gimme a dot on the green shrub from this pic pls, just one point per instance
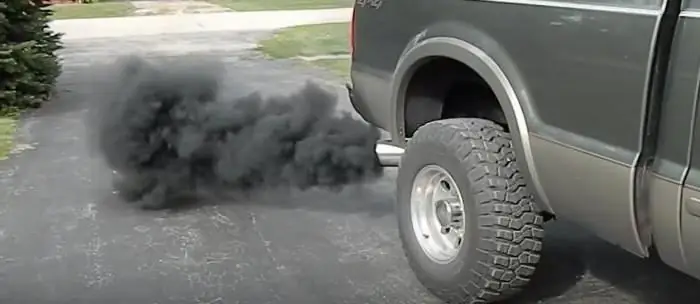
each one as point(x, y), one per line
point(29, 65)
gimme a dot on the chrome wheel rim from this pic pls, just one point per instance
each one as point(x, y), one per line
point(437, 214)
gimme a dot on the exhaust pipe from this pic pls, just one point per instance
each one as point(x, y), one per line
point(389, 155)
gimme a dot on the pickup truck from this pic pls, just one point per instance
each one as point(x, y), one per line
point(510, 113)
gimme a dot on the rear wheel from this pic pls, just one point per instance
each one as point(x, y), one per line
point(468, 225)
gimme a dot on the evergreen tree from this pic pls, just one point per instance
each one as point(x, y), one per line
point(29, 65)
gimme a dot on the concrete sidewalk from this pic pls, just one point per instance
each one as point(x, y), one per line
point(171, 24)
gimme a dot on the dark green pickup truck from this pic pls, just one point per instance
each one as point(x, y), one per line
point(515, 112)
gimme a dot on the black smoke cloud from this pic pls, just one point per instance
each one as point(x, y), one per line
point(165, 128)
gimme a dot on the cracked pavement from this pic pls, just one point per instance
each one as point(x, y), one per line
point(65, 237)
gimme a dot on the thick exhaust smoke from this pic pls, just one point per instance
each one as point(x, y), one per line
point(167, 131)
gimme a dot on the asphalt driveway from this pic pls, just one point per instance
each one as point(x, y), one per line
point(66, 238)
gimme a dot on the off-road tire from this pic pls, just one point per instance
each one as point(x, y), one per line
point(503, 237)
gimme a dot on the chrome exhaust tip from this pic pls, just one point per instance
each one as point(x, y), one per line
point(389, 155)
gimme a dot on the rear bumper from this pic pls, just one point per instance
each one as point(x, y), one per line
point(368, 104)
point(389, 155)
point(368, 91)
point(358, 104)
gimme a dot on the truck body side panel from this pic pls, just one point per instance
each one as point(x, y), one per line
point(677, 213)
point(676, 133)
point(693, 5)
point(380, 38)
point(580, 68)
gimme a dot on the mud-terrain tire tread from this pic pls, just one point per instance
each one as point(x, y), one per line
point(510, 230)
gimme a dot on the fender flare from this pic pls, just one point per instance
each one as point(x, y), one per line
point(478, 60)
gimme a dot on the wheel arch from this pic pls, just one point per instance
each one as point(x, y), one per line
point(508, 87)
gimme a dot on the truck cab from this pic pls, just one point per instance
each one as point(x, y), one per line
point(514, 112)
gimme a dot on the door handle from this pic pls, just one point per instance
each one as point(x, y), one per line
point(692, 205)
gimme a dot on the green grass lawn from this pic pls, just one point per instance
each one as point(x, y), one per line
point(92, 10)
point(262, 5)
point(308, 41)
point(7, 133)
point(339, 66)
point(311, 41)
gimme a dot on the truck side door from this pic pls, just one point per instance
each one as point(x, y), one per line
point(690, 204)
point(675, 176)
